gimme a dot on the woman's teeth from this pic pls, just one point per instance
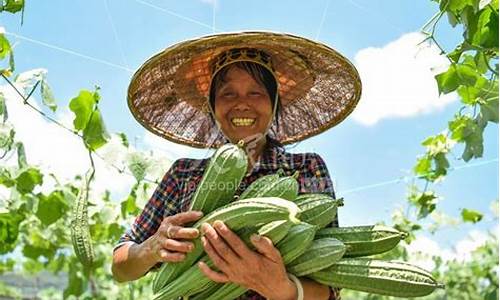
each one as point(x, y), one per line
point(242, 121)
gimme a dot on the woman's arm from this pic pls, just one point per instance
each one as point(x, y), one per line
point(168, 243)
point(131, 261)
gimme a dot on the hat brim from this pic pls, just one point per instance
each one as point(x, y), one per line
point(318, 87)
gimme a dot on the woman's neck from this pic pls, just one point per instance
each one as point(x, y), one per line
point(254, 150)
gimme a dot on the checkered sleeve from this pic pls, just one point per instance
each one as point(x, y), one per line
point(317, 180)
point(147, 223)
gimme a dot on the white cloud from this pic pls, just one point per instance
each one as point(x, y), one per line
point(398, 80)
point(421, 250)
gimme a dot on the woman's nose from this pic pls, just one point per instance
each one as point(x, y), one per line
point(242, 102)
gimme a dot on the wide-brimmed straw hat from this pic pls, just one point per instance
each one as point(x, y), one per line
point(318, 87)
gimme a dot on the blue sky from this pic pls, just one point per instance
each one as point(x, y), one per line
point(99, 42)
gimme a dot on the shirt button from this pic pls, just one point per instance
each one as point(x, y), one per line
point(318, 173)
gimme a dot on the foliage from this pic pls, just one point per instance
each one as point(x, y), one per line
point(473, 75)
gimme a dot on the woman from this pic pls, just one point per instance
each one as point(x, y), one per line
point(225, 88)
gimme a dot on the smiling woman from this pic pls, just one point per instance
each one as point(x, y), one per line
point(243, 99)
point(227, 88)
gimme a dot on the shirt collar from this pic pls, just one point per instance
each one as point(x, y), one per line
point(269, 159)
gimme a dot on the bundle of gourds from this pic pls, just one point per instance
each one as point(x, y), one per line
point(296, 224)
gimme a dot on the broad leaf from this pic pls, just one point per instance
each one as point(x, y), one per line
point(4, 46)
point(47, 96)
point(51, 208)
point(124, 139)
point(473, 141)
point(489, 110)
point(473, 216)
point(7, 134)
point(82, 106)
point(95, 134)
point(456, 75)
point(21, 156)
point(138, 164)
point(3, 108)
point(12, 6)
point(28, 179)
point(77, 284)
point(9, 230)
point(486, 34)
point(425, 202)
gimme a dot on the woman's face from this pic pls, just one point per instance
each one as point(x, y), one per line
point(242, 106)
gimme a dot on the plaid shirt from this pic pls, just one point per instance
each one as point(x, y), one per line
point(174, 193)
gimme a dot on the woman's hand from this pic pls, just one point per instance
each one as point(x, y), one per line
point(169, 243)
point(262, 271)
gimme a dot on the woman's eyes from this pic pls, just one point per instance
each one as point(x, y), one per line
point(229, 94)
point(233, 94)
point(255, 93)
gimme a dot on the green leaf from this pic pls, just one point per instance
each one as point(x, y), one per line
point(128, 206)
point(457, 52)
point(448, 81)
point(76, 282)
point(138, 164)
point(95, 134)
point(3, 108)
point(469, 215)
point(33, 252)
point(441, 165)
point(47, 96)
point(9, 231)
point(4, 46)
point(57, 265)
point(82, 106)
point(456, 6)
point(28, 179)
point(471, 94)
point(12, 6)
point(11, 69)
point(481, 60)
point(33, 266)
point(423, 166)
point(486, 33)
point(473, 142)
point(425, 202)
point(458, 127)
point(489, 110)
point(7, 266)
point(21, 156)
point(437, 144)
point(6, 179)
point(115, 231)
point(492, 295)
point(456, 75)
point(124, 139)
point(7, 134)
point(51, 208)
point(88, 119)
point(452, 19)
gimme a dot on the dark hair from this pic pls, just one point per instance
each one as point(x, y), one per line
point(262, 76)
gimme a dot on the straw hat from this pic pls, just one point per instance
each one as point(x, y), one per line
point(318, 87)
